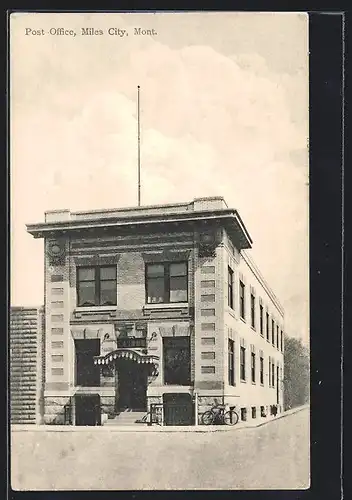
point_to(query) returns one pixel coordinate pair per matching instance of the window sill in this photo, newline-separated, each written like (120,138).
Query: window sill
(168,305)
(253,328)
(95,308)
(242,319)
(243,381)
(231,312)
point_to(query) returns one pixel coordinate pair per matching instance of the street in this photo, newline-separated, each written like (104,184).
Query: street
(272,456)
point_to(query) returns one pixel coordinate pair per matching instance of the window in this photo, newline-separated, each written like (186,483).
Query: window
(273,375)
(252,310)
(87,373)
(261,326)
(96,286)
(282,341)
(253,366)
(177,360)
(243,363)
(166,282)
(267,326)
(254,412)
(261,367)
(277,336)
(269,372)
(230,288)
(273,332)
(244,414)
(231,362)
(242,301)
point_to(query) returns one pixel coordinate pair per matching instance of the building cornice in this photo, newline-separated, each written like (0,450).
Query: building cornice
(227,217)
(255,270)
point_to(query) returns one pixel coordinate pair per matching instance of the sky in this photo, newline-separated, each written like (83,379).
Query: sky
(224,111)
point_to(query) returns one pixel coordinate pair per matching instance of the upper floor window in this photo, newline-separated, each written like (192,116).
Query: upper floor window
(230,287)
(231,362)
(242,299)
(261,319)
(267,326)
(273,332)
(96,286)
(277,336)
(166,282)
(252,310)
(281,341)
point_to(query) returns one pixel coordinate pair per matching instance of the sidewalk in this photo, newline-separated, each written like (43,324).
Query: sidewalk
(156,428)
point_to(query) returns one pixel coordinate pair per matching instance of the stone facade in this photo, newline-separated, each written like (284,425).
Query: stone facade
(210,238)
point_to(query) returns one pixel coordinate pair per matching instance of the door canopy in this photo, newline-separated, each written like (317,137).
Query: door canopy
(131,354)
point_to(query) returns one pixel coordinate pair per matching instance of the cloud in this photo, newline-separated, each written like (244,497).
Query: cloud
(211,124)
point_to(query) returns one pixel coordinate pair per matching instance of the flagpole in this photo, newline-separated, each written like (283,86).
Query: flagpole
(139,147)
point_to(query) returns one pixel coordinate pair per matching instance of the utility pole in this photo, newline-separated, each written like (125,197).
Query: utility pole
(139,146)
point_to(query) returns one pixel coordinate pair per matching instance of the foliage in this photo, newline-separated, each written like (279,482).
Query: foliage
(296,373)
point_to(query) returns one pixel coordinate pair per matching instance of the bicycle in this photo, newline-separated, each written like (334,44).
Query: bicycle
(155,419)
(217,414)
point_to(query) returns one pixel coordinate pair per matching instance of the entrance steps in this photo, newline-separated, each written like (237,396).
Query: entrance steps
(126,417)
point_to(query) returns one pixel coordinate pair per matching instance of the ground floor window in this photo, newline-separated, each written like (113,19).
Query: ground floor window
(261,370)
(177,360)
(243,363)
(254,412)
(231,353)
(87,373)
(253,366)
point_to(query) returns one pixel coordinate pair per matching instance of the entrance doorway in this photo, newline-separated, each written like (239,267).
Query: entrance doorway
(88,409)
(178,409)
(132,380)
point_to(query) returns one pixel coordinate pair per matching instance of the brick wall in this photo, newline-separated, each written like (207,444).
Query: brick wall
(25,373)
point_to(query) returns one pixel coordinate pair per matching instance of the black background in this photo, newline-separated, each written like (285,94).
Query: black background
(326,179)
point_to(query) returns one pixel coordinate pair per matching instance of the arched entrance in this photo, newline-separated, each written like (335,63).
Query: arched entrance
(133,368)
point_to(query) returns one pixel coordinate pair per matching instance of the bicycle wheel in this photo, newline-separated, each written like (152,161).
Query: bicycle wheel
(208,417)
(230,418)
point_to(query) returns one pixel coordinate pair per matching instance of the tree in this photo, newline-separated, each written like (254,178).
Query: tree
(296,373)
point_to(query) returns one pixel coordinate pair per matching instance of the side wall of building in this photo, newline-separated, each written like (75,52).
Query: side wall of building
(248,393)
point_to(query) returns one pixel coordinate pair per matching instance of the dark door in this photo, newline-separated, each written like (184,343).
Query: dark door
(88,410)
(277,386)
(132,385)
(178,409)
(87,373)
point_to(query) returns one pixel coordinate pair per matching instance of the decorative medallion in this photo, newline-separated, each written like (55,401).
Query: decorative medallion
(56,251)
(207,243)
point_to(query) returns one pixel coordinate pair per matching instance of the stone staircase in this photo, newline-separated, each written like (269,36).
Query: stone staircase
(127,418)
